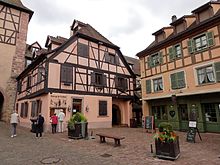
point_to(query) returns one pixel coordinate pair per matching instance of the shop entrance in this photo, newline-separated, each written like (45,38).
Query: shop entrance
(1,104)
(183,116)
(77,106)
(211,116)
(116,115)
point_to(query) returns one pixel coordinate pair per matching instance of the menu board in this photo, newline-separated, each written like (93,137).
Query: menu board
(191,134)
(149,122)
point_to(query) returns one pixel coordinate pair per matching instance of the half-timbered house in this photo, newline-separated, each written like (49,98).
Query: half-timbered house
(180,71)
(14,19)
(85,73)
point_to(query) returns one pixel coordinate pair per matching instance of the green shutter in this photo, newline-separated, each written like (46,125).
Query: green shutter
(190,46)
(217,71)
(160,57)
(148,86)
(173,78)
(171,53)
(149,62)
(210,38)
(180,80)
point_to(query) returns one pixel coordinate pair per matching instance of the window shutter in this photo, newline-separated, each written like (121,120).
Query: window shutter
(171,53)
(149,63)
(104,80)
(66,74)
(190,46)
(26,109)
(125,84)
(117,60)
(102,108)
(173,81)
(83,50)
(33,109)
(210,38)
(160,57)
(217,71)
(107,58)
(93,78)
(148,86)
(181,79)
(19,86)
(116,81)
(22,110)
(39,105)
(69,73)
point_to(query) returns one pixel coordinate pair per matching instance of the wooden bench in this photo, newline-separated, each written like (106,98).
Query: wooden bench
(116,138)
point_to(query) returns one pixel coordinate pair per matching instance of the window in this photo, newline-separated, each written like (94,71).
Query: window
(40,74)
(102,108)
(148,86)
(24,110)
(121,83)
(158,84)
(175,52)
(19,86)
(36,108)
(28,82)
(66,74)
(27,62)
(177,80)
(98,79)
(201,42)
(209,112)
(205,75)
(182,108)
(111,58)
(155,59)
(159,112)
(83,50)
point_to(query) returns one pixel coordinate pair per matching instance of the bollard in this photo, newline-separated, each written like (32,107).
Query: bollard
(151,148)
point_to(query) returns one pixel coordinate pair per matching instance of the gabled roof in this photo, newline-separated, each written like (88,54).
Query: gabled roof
(205,6)
(86,33)
(181,19)
(135,63)
(17,4)
(87,30)
(57,40)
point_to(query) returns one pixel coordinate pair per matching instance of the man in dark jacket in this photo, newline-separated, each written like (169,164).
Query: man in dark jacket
(39,126)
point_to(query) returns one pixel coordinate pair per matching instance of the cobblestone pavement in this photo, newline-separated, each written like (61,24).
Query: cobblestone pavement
(25,149)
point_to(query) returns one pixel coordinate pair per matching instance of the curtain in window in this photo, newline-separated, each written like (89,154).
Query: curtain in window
(161,86)
(201,76)
(210,77)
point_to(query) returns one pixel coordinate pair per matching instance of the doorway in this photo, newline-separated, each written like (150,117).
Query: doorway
(1,104)
(77,106)
(183,116)
(116,115)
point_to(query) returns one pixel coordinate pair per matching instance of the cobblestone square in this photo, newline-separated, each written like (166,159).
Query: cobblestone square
(25,149)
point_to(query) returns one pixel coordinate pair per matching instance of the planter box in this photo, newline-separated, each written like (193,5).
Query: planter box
(80,131)
(167,150)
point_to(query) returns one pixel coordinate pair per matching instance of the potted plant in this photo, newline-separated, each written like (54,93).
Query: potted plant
(77,126)
(167,142)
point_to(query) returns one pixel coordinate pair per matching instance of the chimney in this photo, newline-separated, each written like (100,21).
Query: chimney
(174,18)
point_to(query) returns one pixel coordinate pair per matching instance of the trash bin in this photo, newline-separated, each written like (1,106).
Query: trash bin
(133,123)
(33,125)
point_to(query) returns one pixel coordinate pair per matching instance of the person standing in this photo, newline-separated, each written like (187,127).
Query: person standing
(39,126)
(54,120)
(61,117)
(14,121)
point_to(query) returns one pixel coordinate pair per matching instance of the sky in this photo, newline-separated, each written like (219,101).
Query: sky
(128,24)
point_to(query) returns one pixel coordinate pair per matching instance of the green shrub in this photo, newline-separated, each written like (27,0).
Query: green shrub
(164,126)
(77,118)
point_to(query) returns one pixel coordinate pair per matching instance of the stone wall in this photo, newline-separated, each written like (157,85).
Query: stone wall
(17,66)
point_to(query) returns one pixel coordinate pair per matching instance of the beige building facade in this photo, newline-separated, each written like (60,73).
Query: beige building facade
(85,73)
(14,19)
(180,71)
